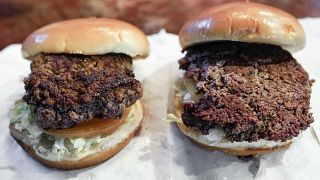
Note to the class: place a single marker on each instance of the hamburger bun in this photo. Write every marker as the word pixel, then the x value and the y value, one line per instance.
pixel 88 36
pixel 244 22
pixel 234 148
pixel 114 143
pixel 85 162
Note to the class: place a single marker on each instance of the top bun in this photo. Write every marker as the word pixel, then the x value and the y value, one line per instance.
pixel 244 22
pixel 88 36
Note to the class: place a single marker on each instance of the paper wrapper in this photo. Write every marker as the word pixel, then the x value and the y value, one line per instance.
pixel 160 151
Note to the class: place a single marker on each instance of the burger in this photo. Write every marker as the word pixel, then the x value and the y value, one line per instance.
pixel 81 103
pixel 242 91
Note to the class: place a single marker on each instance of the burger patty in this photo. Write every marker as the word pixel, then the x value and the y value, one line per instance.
pixel 253 91
pixel 65 90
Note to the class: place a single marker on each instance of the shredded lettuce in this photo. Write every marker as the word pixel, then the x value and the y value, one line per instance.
pixel 24 121
pixel 172 118
pixel 179 87
pixel 20 111
pixel 78 143
pixel 57 148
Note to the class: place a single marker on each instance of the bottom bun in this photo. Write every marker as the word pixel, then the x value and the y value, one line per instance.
pixel 221 143
pixel 82 163
pixel 94 157
pixel 237 151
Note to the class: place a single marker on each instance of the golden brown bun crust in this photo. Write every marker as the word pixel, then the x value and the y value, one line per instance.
pixel 88 36
pixel 244 22
pixel 83 163
pixel 233 151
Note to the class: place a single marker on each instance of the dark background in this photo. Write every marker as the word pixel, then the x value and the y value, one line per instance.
pixel 18 18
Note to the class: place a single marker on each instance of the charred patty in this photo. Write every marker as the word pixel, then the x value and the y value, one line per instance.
pixel 65 89
pixel 253 91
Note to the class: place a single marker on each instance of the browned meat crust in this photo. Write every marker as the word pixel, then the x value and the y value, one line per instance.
pixel 253 91
pixel 66 90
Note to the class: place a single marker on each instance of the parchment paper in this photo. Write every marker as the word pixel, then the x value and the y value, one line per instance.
pixel 160 151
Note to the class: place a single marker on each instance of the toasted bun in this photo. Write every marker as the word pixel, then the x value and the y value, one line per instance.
pixel 238 148
pixel 89 160
pixel 89 36
pixel 244 22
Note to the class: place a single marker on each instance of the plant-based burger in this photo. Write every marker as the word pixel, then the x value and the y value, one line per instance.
pixel 81 103
pixel 242 91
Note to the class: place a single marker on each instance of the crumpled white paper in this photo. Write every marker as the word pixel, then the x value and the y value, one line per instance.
pixel 161 151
